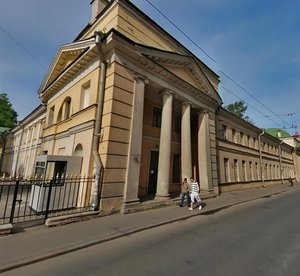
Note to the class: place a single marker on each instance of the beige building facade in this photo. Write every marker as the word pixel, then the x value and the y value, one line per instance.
pixel 23 145
pixel 250 157
pixel 143 113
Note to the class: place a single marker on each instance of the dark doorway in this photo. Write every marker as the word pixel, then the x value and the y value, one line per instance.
pixel 153 172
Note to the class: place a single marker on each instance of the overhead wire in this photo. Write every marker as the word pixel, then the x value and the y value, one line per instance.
pixel 222 72
pixel 191 40
pixel 183 33
pixel 21 46
pixel 249 105
pixel 29 54
pixel 253 97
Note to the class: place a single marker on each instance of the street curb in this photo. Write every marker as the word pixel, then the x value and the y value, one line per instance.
pixel 88 243
pixel 5 229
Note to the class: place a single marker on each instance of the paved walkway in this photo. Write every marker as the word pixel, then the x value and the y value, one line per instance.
pixel 38 243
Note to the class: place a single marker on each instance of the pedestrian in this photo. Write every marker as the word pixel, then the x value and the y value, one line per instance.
pixel 185 191
pixel 194 193
pixel 291 182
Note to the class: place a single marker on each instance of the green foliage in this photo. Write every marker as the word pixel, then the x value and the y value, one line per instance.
pixel 8 116
pixel 239 108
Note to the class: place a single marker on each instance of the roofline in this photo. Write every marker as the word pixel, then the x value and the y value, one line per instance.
pixel 40 91
pixel 145 16
pixel 38 110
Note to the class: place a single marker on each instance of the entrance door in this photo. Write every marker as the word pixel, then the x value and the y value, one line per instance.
pixel 152 183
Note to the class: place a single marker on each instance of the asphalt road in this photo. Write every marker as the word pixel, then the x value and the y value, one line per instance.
pixel 257 238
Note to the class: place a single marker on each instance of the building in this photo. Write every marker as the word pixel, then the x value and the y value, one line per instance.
pixel 249 156
pixel 24 144
pixel 142 112
pixel 4 132
pixel 293 141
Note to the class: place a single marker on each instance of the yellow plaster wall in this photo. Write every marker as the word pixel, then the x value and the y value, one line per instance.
pixel 132 27
pixel 115 133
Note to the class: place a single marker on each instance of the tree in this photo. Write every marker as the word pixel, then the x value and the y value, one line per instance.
pixel 239 108
pixel 8 116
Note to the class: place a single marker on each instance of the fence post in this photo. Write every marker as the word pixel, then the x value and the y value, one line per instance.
pixel 14 202
pixel 49 197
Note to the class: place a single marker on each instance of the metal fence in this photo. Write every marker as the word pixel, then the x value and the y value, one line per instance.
pixel 38 199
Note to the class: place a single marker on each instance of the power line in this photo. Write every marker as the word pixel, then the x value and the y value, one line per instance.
pixel 253 97
pixel 170 21
pixel 283 114
pixel 23 47
pixel 222 72
pixel 251 106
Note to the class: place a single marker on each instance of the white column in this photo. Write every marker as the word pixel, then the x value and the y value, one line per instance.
pixel 204 155
pixel 186 142
pixel 163 177
pixel 135 143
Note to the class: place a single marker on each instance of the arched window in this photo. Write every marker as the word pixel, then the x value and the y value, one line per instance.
pixel 59 116
pixel 65 110
pixel 78 150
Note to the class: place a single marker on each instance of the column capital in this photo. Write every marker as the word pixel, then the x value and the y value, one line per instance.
pixel 187 103
pixel 203 111
pixel 140 78
pixel 167 92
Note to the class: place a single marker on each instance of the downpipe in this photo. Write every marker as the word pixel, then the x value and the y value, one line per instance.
pixel 260 160
pixel 280 162
pixel 96 137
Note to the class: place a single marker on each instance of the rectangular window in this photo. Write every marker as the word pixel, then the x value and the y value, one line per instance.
pixel 270 172
pixel 244 170
pixel 233 136
pixel 226 169
pixel 51 116
pixel 266 172
pixel 156 122
pixel 242 138
pixel 223 132
pixel 251 170
pixel 236 170
pixel 248 142
pixel 257 171
pixel 176 168
pixel 85 96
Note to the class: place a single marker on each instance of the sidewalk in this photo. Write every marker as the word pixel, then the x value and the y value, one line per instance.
pixel 39 243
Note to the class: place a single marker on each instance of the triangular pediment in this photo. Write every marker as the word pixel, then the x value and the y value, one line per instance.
pixel 65 57
pixel 188 70
pixel 64 60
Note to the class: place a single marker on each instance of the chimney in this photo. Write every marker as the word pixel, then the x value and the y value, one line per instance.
pixel 97 7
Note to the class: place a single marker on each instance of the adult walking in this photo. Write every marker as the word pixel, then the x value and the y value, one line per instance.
pixel 185 192
pixel 195 197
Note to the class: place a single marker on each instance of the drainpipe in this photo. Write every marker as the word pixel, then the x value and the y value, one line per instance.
pixel 95 143
pixel 280 162
pixel 260 160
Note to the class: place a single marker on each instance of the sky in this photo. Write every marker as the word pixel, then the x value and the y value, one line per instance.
pixel 253 45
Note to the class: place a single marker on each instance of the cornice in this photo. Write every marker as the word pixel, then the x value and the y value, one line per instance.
pixel 161 72
pixel 61 79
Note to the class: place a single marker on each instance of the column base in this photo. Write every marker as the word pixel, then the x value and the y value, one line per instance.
pixel 130 206
pixel 162 197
